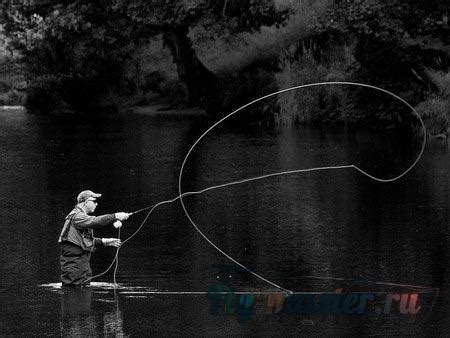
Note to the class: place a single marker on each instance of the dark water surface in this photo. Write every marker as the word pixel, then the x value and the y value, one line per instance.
pixel 339 226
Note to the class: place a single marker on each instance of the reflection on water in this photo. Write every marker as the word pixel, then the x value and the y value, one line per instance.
pixel 100 311
pixel 284 228
pixel 78 319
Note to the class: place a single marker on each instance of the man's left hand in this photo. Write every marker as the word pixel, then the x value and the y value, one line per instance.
pixel 115 242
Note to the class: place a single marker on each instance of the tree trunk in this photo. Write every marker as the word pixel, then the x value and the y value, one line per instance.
pixel 201 84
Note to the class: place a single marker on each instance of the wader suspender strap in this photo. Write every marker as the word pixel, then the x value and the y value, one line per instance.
pixel 68 223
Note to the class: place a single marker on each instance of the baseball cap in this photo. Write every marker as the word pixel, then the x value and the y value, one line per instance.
pixel 85 194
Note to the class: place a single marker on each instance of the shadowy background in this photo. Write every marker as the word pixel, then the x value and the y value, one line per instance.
pixel 117 91
pixel 104 56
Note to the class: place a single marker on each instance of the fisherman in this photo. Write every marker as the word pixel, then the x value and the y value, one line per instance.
pixel 77 238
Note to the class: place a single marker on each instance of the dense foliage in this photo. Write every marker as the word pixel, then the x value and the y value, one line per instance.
pixel 400 45
pixel 76 51
pixel 77 54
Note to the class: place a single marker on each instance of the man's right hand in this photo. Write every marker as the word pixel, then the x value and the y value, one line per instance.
pixel 121 216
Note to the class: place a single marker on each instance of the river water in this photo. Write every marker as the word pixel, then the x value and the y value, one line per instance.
pixel 311 232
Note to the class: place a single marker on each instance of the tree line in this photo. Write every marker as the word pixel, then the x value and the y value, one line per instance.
pixel 73 53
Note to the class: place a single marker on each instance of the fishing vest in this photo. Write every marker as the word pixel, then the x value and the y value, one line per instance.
pixel 82 238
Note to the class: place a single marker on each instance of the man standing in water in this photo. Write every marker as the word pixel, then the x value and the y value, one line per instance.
pixel 77 238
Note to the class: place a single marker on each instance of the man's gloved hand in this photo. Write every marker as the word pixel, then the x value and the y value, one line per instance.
pixel 117 224
pixel 111 242
pixel 121 216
